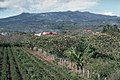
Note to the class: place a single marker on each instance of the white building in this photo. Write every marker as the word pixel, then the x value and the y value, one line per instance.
pixel 39 34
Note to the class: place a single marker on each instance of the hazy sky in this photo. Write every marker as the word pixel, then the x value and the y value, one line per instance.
pixel 15 7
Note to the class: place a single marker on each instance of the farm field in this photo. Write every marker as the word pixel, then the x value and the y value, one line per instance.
pixel 61 57
pixel 18 64
pixel 97 56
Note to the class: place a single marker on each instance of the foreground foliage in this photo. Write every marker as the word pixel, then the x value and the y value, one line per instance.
pixel 18 64
pixel 99 53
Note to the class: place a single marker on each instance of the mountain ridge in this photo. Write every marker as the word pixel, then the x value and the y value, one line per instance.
pixel 25 13
pixel 56 20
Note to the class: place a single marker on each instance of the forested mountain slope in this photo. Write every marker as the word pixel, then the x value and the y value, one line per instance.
pixel 55 21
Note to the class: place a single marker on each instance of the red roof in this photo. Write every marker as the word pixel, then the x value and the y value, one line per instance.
pixel 54 33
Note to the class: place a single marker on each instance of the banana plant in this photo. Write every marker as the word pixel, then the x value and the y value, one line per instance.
pixel 76 56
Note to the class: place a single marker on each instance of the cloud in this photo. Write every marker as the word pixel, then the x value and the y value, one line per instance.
pixel 78 4
pixel 8 3
pixel 47 5
pixel 61 5
pixel 109 13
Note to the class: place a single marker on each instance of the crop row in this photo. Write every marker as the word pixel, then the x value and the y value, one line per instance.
pixel 15 72
pixel 32 70
pixel 8 67
pixel 38 69
pixel 4 66
pixel 1 60
pixel 18 64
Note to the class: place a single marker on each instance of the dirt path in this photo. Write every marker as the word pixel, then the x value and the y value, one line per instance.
pixel 42 56
pixel 50 59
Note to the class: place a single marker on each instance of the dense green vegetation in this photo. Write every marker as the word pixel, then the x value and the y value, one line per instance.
pixel 18 64
pixel 98 53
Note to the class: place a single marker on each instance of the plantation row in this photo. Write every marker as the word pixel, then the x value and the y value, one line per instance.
pixel 8 66
pixel 18 64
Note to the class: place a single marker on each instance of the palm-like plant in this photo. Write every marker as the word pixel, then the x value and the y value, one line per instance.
pixel 76 56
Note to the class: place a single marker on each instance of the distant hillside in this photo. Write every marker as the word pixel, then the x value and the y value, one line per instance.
pixel 55 21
